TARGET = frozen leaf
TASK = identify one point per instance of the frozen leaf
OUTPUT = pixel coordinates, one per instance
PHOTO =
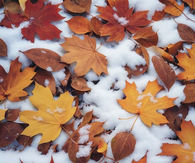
(12, 114)
(77, 6)
(2, 114)
(164, 71)
(187, 62)
(40, 17)
(122, 145)
(186, 33)
(79, 25)
(145, 104)
(51, 114)
(185, 152)
(45, 58)
(146, 37)
(3, 48)
(45, 79)
(95, 25)
(171, 7)
(13, 83)
(120, 19)
(85, 54)
(9, 131)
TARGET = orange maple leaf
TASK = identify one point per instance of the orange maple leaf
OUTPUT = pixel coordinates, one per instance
(185, 152)
(145, 104)
(85, 54)
(40, 16)
(13, 83)
(122, 19)
(187, 63)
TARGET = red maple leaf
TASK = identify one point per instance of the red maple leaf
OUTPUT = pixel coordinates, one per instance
(40, 17)
(120, 19)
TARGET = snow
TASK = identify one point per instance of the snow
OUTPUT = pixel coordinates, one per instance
(46, 82)
(102, 99)
(186, 146)
(59, 110)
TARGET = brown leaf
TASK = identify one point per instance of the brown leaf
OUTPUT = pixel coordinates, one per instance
(13, 7)
(146, 55)
(45, 58)
(140, 69)
(96, 25)
(12, 114)
(111, 3)
(9, 131)
(186, 33)
(191, 3)
(45, 79)
(146, 37)
(173, 48)
(158, 15)
(86, 118)
(79, 25)
(164, 71)
(122, 145)
(80, 84)
(24, 140)
(3, 48)
(77, 6)
(43, 148)
(189, 92)
(64, 82)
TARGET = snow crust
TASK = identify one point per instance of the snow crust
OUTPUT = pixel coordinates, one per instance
(102, 99)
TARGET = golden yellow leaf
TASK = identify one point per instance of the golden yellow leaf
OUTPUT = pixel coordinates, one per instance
(22, 4)
(146, 104)
(51, 114)
(2, 114)
(102, 147)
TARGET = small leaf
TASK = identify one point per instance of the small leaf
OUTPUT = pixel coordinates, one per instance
(122, 145)
(164, 71)
(96, 25)
(44, 147)
(12, 114)
(9, 131)
(79, 25)
(2, 114)
(3, 48)
(87, 118)
(45, 58)
(189, 92)
(80, 84)
(102, 147)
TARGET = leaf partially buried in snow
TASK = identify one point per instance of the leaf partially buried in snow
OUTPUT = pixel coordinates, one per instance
(51, 114)
(185, 152)
(145, 104)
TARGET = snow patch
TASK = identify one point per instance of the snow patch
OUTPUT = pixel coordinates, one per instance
(84, 150)
(84, 134)
(46, 82)
(193, 156)
(49, 111)
(122, 20)
(59, 110)
(1, 79)
(38, 118)
(186, 146)
(140, 97)
(49, 69)
(43, 51)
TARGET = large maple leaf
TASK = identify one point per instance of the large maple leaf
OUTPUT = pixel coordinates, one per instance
(122, 19)
(51, 114)
(40, 17)
(85, 54)
(145, 104)
(185, 152)
(187, 63)
(13, 83)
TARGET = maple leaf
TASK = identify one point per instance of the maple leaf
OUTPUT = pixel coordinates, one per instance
(40, 17)
(185, 152)
(50, 116)
(13, 83)
(2, 114)
(122, 19)
(187, 63)
(145, 104)
(191, 3)
(85, 54)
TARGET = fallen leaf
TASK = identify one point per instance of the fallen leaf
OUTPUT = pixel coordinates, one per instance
(164, 71)
(189, 92)
(187, 62)
(158, 15)
(44, 147)
(52, 161)
(12, 7)
(186, 33)
(45, 79)
(95, 25)
(185, 151)
(22, 4)
(173, 48)
(13, 83)
(146, 37)
(3, 48)
(145, 54)
(123, 144)
(85, 54)
(2, 114)
(40, 17)
(45, 58)
(80, 84)
(77, 6)
(145, 104)
(142, 160)
(171, 7)
(86, 118)
(111, 3)
(122, 19)
(138, 71)
(191, 3)
(9, 131)
(12, 114)
(51, 114)
(24, 140)
(102, 147)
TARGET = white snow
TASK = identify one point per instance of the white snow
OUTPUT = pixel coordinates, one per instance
(193, 156)
(38, 118)
(140, 97)
(49, 69)
(59, 110)
(84, 150)
(49, 111)
(1, 80)
(122, 20)
(46, 82)
(186, 146)
(84, 134)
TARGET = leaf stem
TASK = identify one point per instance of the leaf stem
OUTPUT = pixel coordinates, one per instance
(68, 134)
(102, 44)
(134, 123)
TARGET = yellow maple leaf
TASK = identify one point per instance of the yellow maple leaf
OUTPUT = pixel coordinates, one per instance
(145, 104)
(50, 116)
(187, 63)
(185, 152)
(13, 83)
(2, 114)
